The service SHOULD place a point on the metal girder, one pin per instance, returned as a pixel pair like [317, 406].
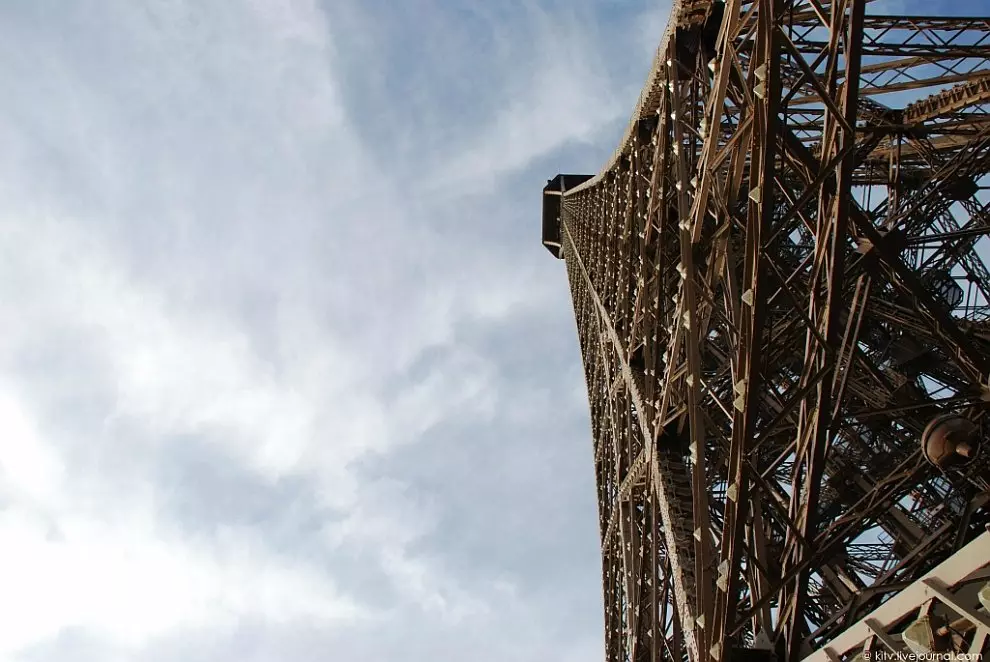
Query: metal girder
[780, 287]
[954, 99]
[966, 567]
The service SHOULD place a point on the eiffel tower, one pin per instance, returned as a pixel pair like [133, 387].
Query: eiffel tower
[782, 300]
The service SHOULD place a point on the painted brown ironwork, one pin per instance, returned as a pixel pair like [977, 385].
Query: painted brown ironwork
[782, 299]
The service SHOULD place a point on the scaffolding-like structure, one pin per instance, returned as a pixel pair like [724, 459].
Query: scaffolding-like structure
[783, 304]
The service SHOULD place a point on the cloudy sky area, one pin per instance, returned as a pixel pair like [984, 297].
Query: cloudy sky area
[285, 373]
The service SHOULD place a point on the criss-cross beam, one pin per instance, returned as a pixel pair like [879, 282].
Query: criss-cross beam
[780, 284]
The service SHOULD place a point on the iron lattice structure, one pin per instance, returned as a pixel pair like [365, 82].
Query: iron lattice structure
[783, 306]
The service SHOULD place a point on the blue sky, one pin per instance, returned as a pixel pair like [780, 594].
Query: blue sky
[285, 372]
[930, 7]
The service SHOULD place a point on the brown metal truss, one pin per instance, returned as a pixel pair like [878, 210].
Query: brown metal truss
[781, 289]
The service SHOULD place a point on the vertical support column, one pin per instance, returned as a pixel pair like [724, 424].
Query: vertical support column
[814, 423]
[691, 322]
[765, 92]
[676, 524]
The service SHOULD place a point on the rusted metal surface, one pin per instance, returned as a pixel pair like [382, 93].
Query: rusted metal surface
[780, 280]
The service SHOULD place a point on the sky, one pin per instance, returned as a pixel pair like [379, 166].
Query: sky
[285, 372]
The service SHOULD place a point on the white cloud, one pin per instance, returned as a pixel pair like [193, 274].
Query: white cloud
[127, 582]
[564, 95]
[75, 559]
[203, 260]
[30, 470]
